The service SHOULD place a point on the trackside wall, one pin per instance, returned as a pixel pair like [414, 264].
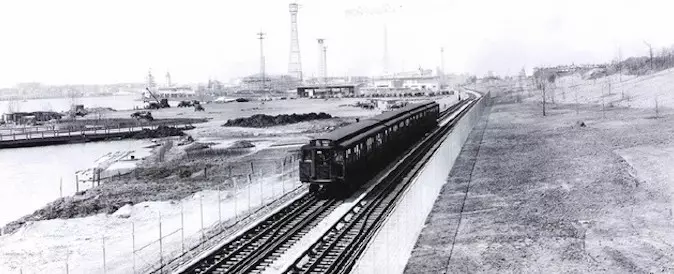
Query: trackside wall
[391, 247]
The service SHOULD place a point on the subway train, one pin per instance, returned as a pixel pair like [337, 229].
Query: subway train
[338, 162]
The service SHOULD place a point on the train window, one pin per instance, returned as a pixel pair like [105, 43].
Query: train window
[325, 143]
[306, 155]
[348, 155]
[379, 140]
[339, 157]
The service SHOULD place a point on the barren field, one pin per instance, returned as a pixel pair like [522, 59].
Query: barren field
[52, 237]
[534, 194]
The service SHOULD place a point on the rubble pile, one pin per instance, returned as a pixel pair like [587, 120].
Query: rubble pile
[262, 120]
[161, 131]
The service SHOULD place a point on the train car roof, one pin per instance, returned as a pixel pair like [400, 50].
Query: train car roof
[364, 125]
[391, 114]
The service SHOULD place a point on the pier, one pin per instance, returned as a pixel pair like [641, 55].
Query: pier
[44, 137]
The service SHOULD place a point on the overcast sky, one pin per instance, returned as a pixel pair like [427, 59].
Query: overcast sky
[71, 42]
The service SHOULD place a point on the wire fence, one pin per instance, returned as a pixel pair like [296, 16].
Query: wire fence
[166, 235]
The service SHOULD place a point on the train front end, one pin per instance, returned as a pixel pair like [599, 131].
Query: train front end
[322, 165]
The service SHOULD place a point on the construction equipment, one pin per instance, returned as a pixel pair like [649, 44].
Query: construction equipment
[163, 103]
[78, 110]
[142, 115]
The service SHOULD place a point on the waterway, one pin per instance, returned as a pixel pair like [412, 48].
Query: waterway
[31, 177]
[120, 102]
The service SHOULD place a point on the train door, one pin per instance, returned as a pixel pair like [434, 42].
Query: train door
[306, 166]
[322, 165]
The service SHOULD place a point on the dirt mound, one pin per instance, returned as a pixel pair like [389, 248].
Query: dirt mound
[242, 144]
[262, 120]
[161, 131]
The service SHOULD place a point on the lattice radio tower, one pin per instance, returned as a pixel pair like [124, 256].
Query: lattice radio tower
[294, 62]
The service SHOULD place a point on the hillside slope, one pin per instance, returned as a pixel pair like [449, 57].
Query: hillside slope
[637, 92]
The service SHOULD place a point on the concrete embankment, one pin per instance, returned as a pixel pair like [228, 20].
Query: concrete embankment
[391, 247]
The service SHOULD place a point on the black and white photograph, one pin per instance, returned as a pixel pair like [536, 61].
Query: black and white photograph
[299, 136]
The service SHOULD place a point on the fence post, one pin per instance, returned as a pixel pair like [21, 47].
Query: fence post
[261, 196]
[205, 172]
[77, 184]
[133, 245]
[252, 168]
[236, 209]
[161, 257]
[250, 183]
[104, 270]
[182, 229]
[219, 209]
[201, 209]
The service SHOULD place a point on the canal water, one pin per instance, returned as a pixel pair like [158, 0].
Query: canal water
[120, 102]
[31, 177]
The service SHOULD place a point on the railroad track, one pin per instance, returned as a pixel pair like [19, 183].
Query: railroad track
[338, 250]
[254, 250]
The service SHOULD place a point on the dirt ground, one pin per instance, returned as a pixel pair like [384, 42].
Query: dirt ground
[185, 171]
[534, 194]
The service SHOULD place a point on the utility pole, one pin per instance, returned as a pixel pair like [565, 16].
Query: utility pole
[261, 37]
[442, 67]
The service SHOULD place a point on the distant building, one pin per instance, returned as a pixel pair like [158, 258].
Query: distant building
[328, 90]
[30, 117]
[413, 80]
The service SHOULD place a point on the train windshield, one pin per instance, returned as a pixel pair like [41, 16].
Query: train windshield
[322, 156]
[306, 155]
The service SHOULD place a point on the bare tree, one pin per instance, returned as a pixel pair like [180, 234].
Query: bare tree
[650, 52]
[575, 95]
[542, 80]
[620, 64]
[13, 105]
[540, 84]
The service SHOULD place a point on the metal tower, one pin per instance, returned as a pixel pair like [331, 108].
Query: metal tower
[262, 76]
[442, 67]
[294, 62]
[168, 79]
[385, 61]
[322, 69]
[150, 80]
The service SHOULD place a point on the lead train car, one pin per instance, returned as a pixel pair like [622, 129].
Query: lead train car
[340, 161]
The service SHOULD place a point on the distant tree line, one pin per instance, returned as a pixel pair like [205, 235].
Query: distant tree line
[645, 64]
